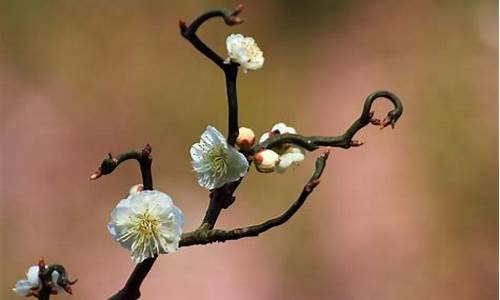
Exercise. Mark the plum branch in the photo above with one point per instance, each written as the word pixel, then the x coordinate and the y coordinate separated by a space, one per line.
pixel 143 157
pixel 222 198
pixel 203 236
pixel 131 290
pixel 230 69
pixel 345 140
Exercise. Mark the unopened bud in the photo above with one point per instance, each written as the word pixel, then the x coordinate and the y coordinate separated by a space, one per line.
pixel 266 161
pixel 136 188
pixel 246 138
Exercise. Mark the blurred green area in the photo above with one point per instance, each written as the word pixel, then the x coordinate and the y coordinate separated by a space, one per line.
pixel 80 79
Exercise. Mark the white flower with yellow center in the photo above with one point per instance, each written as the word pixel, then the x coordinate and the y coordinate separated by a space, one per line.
pixel 244 51
pixel 289 155
pixel 215 162
pixel 32 282
pixel 147 223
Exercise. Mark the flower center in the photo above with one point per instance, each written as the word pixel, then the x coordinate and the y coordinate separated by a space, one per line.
pixel 217 158
pixel 146 225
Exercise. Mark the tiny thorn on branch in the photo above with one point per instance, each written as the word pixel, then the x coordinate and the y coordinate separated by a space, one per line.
pixel 356 143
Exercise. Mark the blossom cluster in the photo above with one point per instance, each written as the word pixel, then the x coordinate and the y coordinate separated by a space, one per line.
pixel 146 222
pixel 32 284
pixel 216 163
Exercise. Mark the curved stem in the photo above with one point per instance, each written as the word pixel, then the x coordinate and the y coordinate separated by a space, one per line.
pixel 345 140
pixel 47 285
pixel 189 32
pixel 131 290
pixel 230 69
pixel 204 236
pixel 143 157
pixel 222 197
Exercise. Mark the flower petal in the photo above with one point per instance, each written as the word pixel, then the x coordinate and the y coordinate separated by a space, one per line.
pixel 55 276
pixel 33 276
pixel 212 137
pixel 23 287
pixel 264 137
pixel 143 223
pixel 238 166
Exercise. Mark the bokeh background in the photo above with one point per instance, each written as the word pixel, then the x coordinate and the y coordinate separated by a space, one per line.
pixel 412 214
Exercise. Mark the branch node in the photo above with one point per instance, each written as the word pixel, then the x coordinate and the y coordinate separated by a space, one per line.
pixel 356 143
pixel 311 185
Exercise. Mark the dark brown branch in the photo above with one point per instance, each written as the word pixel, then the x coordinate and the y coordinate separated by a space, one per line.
pixel 230 69
pixel 47 285
pixel 345 140
pixel 189 32
pixel 143 157
pixel 203 236
pixel 222 197
pixel 131 290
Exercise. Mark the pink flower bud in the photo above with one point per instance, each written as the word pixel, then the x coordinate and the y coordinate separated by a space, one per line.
pixel 266 160
pixel 246 138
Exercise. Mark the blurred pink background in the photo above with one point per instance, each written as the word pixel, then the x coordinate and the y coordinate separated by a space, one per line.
pixel 412 214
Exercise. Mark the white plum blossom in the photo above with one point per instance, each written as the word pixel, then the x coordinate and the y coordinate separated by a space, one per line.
pixel 293 155
pixel 215 161
pixel 244 51
pixel 289 155
pixel 147 223
pixel 31 283
pixel 279 128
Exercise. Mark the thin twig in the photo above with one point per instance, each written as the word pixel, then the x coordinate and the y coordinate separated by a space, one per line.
pixel 230 69
pixel 47 285
pixel 131 290
pixel 189 32
pixel 203 236
pixel 222 197
pixel 143 157
pixel 345 140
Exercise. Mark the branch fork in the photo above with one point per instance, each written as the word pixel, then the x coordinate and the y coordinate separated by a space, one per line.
pixel 48 287
pixel 223 197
